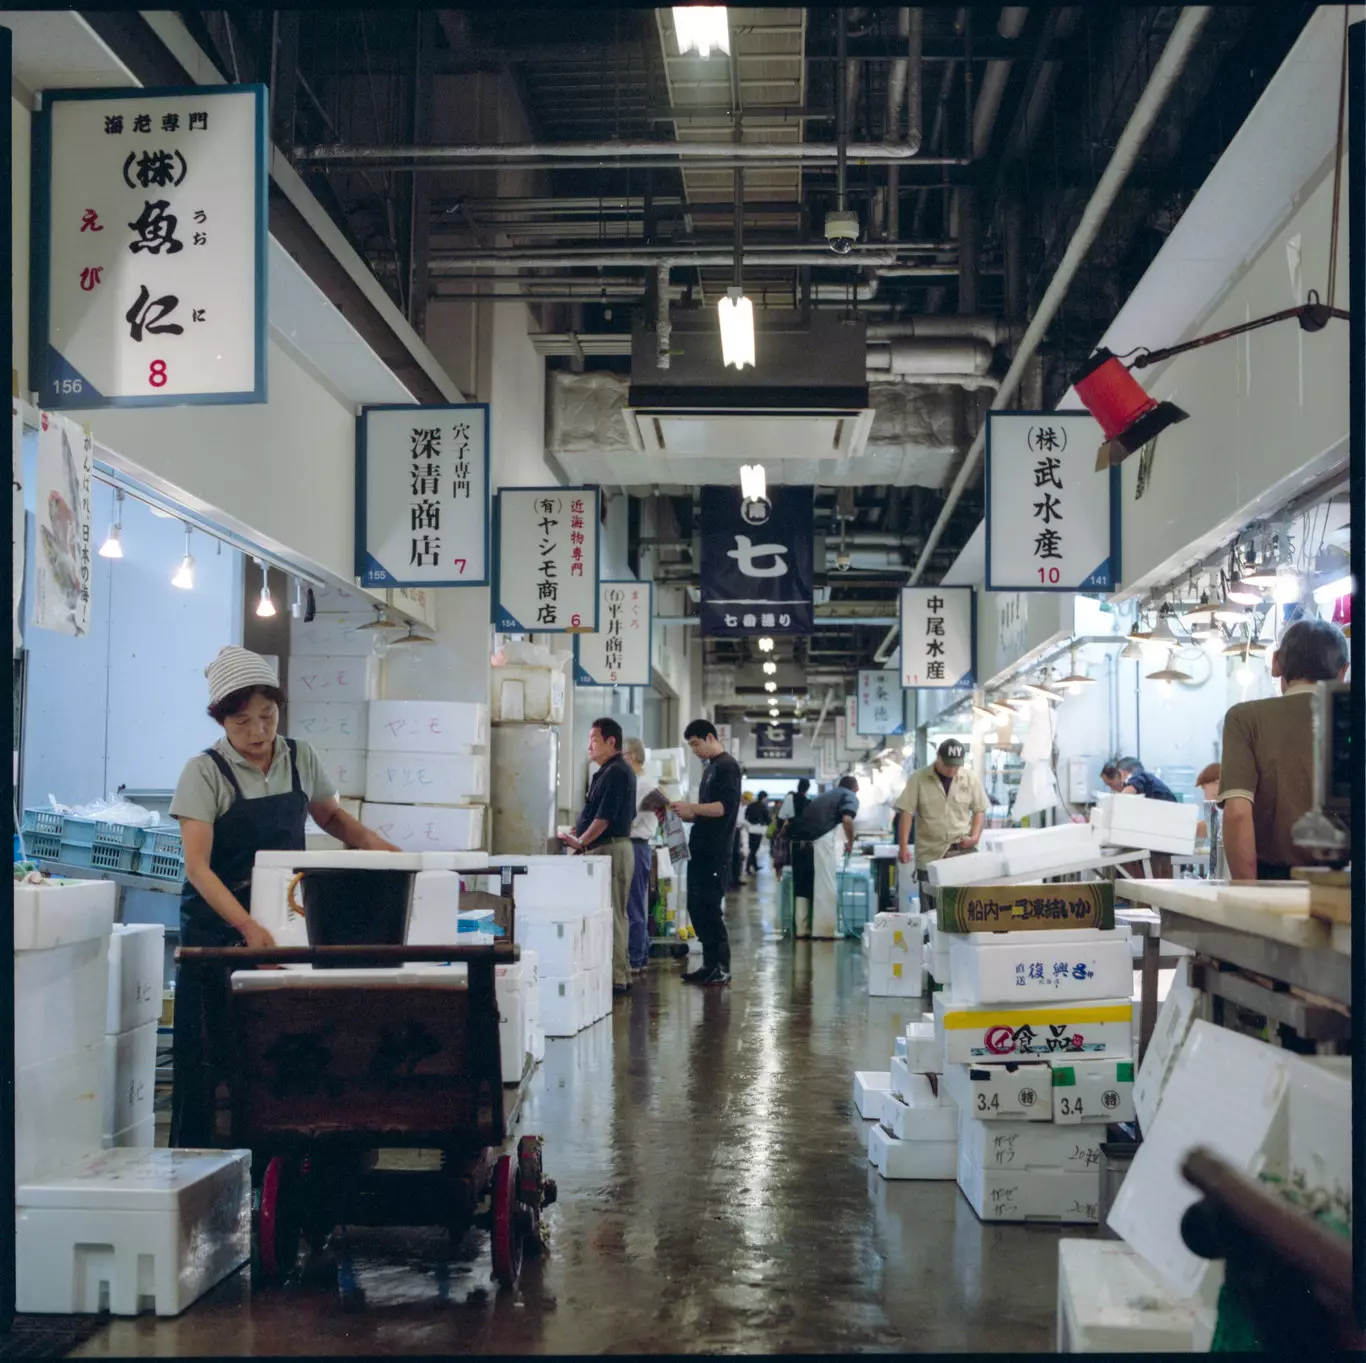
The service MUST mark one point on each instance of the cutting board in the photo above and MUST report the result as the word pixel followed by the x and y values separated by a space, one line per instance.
pixel 1275 909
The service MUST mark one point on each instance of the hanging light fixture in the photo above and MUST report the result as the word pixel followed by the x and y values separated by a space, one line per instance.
pixel 113 541
pixel 765 645
pixel 701 29
pixel 736 314
pixel 380 622
pixel 265 607
pixel 1127 415
pixel 1244 674
pixel 1287 588
pixel 983 713
pixel 1169 673
pixel 184 575
pixel 412 637
pixel 1043 691
pixel 1163 633
pixel 770 668
pixel 753 484
pixel 770 686
pixel 1077 678
pixel 297 609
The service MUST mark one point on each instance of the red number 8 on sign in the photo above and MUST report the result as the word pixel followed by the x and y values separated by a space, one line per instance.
pixel 157 374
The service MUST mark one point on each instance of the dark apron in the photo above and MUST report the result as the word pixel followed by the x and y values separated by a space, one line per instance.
pixel 273 823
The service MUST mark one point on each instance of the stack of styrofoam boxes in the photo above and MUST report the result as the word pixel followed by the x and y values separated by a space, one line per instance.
pixel 938 961
pixel 518 991
pixel 1033 851
pixel 1037 1044
pixel 136 971
pixel 896 944
pixel 427 786
pixel 917 1134
pixel 1148 825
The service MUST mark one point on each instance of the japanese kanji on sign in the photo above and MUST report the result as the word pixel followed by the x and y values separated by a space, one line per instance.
pixel 150 247
pixel 880 708
pixel 545 569
pixel 619 654
pixel 61 560
pixel 422 496
pixel 772 743
pixel 938 645
pixel 1052 519
pixel 829 770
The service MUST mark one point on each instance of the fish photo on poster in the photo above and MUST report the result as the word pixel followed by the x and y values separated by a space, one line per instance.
pixel 62 549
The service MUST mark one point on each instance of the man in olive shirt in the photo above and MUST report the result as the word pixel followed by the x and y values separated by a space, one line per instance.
pixel 1266 778
pixel 947 806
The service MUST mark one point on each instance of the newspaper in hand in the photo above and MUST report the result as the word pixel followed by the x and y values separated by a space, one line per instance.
pixel 675 835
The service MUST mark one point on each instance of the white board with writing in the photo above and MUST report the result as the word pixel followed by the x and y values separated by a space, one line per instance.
pixel 619 653
pixel 937 638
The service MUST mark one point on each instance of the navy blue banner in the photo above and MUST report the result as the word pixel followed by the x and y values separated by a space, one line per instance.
pixel 773 743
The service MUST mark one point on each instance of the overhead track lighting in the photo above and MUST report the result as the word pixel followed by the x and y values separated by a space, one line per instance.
pixel 184 575
pixel 265 608
pixel 113 541
pixel 701 29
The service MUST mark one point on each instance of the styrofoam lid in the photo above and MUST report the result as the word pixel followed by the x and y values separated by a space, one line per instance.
pixel 428 976
pixel 59 913
pixel 127 1179
pixel 1047 937
pixel 345 860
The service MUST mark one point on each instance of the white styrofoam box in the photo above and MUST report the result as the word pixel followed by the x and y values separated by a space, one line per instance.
pixel 143 1136
pixel 1162 818
pixel 900 977
pixel 555 883
pixel 869 1086
pixel 1226 1093
pixel 315 840
pixel 920 1159
pixel 1318 1156
pixel 924 1051
pixel 330 724
pixel 583 982
pixel 61 999
pixel 347 767
pixel 867 938
pixel 1014 1092
pixel 987 1032
pixel 419 828
pixel 333 636
pixel 1029 1145
pixel 58 1109
pixel 334 679
pixel 438 726
pixel 919 1090
pixel 907 888
pixel 895 936
pixel 270 905
pixel 559 1004
pixel 1068 1196
pixel 919 1122
pixel 899 1051
pixel 434 918
pixel 968 870
pixel 512 984
pixel 528 695
pixel 130 1071
pixel 1061 837
pixel 416 778
pixel 1174 1020
pixel 1009 967
pixel 59 913
pixel 138 1228
pixel 1092 1091
pixel 560 940
pixel 1111 1302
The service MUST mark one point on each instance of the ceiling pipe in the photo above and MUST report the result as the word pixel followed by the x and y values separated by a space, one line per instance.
pixel 1166 73
pixel 915 355
pixel 994 81
pixel 990 329
pixel 455 157
pixel 822 621
pixel 936 138
pixel 842 104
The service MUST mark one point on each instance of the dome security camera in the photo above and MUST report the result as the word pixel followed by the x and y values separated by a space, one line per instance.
pixel 841 232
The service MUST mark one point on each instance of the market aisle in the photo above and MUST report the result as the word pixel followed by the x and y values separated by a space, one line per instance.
pixel 714 1197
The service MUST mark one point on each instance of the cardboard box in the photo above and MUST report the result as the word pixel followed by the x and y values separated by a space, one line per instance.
pixel 919 1090
pixel 1061 1196
pixel 137 973
pixel 919 1122
pixel 869 1086
pixel 1013 1092
pixel 1029 967
pixel 970 908
pixel 911 1159
pixel 976 1032
pixel 329 724
pixel 1092 1091
pixel 344 680
pixel 924 1051
pixel 437 727
pixel 1029 1145
pixel 428 828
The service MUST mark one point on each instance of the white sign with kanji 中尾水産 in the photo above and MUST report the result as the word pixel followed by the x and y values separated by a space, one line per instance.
pixel 619 653
pixel 150 247
pixel 546 560
pixel 879 702
pixel 1052 518
pixel 937 651
pixel 422 496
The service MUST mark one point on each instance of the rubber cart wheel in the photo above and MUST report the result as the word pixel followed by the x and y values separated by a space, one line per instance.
pixel 506 1224
pixel 278 1228
pixel 531 1191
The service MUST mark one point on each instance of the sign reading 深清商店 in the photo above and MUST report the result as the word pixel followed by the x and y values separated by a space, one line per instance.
pixel 422 496
pixel 619 653
pixel 937 645
pixel 880 707
pixel 1053 520
pixel 545 567
pixel 150 247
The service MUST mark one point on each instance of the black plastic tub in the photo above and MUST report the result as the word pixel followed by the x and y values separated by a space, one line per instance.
pixel 357 908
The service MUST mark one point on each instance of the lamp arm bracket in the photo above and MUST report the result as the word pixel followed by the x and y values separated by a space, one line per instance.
pixel 1312 316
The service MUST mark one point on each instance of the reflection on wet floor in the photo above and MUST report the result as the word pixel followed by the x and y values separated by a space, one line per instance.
pixel 715 1196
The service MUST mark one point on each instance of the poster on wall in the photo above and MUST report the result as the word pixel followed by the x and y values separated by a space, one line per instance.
pixel 1053 520
pixel 17 527
pixel 422 496
pixel 545 568
pixel 773 743
pixel 61 577
pixel 880 709
pixel 938 645
pixel 620 653
pixel 150 247
pixel 756 562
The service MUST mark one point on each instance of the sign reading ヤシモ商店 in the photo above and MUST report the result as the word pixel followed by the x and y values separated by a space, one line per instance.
pixel 150 268
pixel 61 558
pixel 545 567
pixel 880 707
pixel 619 654
pixel 1052 519
pixel 937 644
pixel 422 496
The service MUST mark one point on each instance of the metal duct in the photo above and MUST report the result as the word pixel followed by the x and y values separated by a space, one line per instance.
pixel 915 356
pixel 990 329
pixel 457 156
pixel 1011 25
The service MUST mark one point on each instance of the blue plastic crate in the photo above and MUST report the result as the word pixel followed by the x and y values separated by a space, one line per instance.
pixel 82 832
pixel 99 857
pixel 43 846
pixel 163 866
pixel 164 841
pixel 854 902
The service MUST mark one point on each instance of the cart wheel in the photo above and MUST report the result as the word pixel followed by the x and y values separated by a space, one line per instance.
pixel 278 1230
pixel 506 1224
pixel 531 1188
pixel 315 1207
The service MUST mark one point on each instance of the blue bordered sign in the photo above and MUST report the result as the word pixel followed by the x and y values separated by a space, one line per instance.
pixel 422 495
pixel 1053 520
pixel 150 247
pixel 880 710
pixel 545 566
pixel 622 650
pixel 938 638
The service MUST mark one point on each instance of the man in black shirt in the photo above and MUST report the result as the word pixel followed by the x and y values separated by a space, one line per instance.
pixel 713 819
pixel 758 817
pixel 604 829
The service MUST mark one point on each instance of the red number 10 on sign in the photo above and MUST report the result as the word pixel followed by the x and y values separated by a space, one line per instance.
pixel 1050 575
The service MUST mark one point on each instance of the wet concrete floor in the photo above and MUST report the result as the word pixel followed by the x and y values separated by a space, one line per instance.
pixel 714 1197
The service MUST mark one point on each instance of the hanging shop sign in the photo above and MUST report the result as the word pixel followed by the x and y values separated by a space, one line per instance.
pixel 1052 519
pixel 619 653
pixel 422 496
pixel 828 768
pixel 150 247
pixel 756 562
pixel 938 638
pixel 880 706
pixel 773 743
pixel 545 571
pixel 61 557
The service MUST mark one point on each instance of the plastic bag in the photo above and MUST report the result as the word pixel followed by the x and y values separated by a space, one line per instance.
pixel 523 654
pixel 112 810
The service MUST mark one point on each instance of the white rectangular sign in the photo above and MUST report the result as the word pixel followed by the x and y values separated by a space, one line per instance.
pixel 150 247
pixel 1052 519
pixel 880 706
pixel 829 769
pixel 937 643
pixel 18 529
pixel 546 563
pixel 61 555
pixel 619 653
pixel 422 496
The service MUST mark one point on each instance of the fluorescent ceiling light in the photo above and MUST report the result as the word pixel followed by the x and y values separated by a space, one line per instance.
pixel 765 645
pixel 753 484
pixel 737 329
pixel 701 29
pixel 770 686
pixel 770 668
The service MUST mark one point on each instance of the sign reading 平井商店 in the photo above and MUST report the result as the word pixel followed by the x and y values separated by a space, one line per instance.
pixel 422 496
pixel 619 654
pixel 545 567
pixel 150 247
pixel 937 644
pixel 880 707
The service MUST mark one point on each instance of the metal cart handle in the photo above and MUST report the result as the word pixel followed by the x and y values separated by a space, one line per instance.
pixel 502 953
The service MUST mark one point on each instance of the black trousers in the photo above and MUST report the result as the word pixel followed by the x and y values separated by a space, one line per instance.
pixel 803 870
pixel 706 895
pixel 737 858
pixel 756 841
